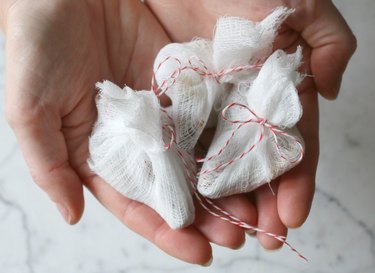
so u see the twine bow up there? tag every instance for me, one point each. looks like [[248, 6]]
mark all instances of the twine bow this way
[[274, 130]]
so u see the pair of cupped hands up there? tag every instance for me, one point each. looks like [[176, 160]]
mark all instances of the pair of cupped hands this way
[[57, 50]]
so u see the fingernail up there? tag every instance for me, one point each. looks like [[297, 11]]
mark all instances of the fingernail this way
[[64, 212], [208, 263]]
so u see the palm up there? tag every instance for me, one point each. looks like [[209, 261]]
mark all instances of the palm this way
[[295, 189], [61, 63], [80, 47], [143, 38]]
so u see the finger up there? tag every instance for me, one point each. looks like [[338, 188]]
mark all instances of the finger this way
[[186, 244], [43, 146], [268, 217], [221, 232], [332, 42], [296, 188]]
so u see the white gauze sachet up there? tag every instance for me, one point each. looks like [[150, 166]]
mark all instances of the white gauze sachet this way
[[273, 97], [192, 94], [127, 150]]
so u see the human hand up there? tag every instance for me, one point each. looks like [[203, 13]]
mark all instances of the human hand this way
[[328, 45], [56, 51]]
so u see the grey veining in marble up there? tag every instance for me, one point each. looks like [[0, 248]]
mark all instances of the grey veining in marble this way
[[339, 235]]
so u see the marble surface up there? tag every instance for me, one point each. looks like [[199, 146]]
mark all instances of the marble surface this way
[[339, 235]]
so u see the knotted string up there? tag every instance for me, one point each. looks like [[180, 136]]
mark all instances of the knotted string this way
[[188, 159], [265, 125]]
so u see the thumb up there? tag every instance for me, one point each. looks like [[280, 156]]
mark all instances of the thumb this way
[[332, 43], [43, 146]]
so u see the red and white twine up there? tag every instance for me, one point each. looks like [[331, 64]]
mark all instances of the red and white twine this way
[[200, 68], [188, 159], [274, 131]]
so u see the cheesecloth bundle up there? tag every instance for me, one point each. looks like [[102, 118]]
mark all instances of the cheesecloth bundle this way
[[191, 94], [127, 150], [259, 125]]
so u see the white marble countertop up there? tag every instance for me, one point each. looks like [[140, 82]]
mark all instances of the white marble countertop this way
[[339, 235]]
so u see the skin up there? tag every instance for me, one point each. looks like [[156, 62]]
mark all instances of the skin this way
[[57, 50], [328, 45]]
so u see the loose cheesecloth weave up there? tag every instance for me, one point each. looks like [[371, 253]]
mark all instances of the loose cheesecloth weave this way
[[233, 83]]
